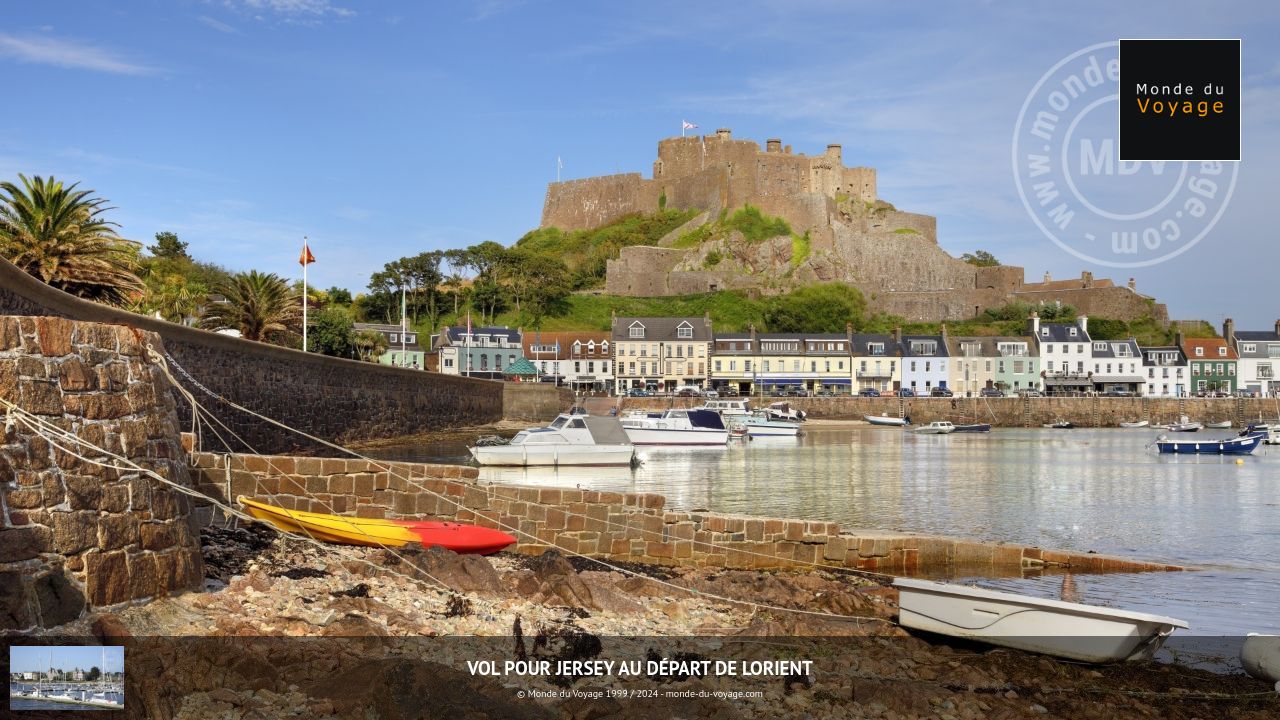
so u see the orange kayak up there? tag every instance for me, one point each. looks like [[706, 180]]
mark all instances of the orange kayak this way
[[380, 532]]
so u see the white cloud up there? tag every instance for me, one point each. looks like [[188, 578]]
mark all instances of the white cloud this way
[[45, 50], [217, 25]]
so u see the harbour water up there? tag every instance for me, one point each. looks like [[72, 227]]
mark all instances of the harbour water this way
[[1087, 490], [98, 695]]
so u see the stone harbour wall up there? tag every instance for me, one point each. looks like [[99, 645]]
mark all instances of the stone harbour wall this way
[[617, 526], [76, 536]]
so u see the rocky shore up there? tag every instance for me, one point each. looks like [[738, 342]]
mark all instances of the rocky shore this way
[[288, 629]]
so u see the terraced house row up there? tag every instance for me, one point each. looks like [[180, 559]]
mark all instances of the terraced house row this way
[[666, 354]]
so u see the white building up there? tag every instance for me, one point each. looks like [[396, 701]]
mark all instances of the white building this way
[[1066, 355]]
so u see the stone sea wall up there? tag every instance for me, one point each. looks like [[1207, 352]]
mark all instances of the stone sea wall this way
[[76, 536], [1012, 412], [616, 526], [336, 399]]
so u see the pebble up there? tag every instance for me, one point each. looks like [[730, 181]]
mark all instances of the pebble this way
[[1039, 709]]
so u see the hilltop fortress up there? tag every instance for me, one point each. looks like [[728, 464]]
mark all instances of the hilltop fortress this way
[[842, 232]]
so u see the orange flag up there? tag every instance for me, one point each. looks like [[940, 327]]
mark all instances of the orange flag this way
[[306, 258]]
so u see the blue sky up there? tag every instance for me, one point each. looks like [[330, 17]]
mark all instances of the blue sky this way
[[29, 658], [383, 129]]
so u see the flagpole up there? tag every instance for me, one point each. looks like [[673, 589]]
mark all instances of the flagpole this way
[[304, 293], [404, 358], [558, 166]]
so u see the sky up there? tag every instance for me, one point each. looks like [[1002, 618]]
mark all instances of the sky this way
[[33, 658], [383, 129]]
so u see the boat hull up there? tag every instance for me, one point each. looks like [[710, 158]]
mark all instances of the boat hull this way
[[380, 532], [553, 455], [973, 428], [1067, 630], [1260, 657], [1133, 425], [885, 420], [670, 436], [1230, 446]]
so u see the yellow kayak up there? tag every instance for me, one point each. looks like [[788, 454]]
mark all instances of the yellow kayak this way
[[380, 532]]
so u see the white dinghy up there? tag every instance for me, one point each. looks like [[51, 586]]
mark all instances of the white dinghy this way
[[1260, 657], [1074, 631]]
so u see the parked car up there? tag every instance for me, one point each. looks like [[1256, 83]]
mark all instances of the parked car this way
[[869, 392], [905, 392], [795, 392], [1030, 393], [688, 391], [991, 392], [823, 393], [711, 394], [638, 392], [940, 392], [729, 392]]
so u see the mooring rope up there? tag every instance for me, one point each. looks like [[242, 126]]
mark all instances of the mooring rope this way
[[604, 563]]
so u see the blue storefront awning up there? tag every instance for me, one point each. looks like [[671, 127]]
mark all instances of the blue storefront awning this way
[[837, 381]]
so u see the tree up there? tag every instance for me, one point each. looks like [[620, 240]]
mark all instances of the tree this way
[[370, 344], [173, 296], [169, 247], [93, 674], [488, 297], [825, 307], [981, 258], [540, 281], [339, 296], [331, 332], [422, 273], [58, 234], [259, 305], [484, 258]]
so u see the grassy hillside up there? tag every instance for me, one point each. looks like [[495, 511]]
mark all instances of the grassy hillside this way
[[585, 252]]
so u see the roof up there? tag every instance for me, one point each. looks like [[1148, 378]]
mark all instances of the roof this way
[[1112, 345], [908, 351], [1148, 349], [860, 341], [989, 344], [456, 334], [563, 342], [1258, 338], [1061, 332], [520, 367], [1210, 346], [391, 330], [662, 328]]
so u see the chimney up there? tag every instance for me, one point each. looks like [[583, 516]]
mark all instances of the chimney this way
[[1083, 323], [943, 330], [1229, 331], [897, 334], [848, 333], [1033, 323], [1047, 277], [773, 145], [786, 150], [1086, 278], [1278, 327], [752, 328], [724, 134], [1177, 338]]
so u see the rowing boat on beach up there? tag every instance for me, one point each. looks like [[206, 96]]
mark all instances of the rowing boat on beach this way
[[379, 532]]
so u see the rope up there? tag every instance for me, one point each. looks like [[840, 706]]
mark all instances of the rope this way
[[45, 430], [391, 470]]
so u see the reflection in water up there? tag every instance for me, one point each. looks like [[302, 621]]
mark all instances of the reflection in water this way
[[1100, 490]]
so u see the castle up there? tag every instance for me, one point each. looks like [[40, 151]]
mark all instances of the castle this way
[[849, 235]]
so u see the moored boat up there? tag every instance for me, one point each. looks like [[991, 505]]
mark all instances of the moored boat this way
[[887, 421], [1219, 425], [1184, 424], [675, 427], [762, 424], [380, 532], [1059, 425], [1135, 424], [937, 427], [1239, 445], [1074, 631], [784, 411], [973, 428], [729, 407], [571, 439]]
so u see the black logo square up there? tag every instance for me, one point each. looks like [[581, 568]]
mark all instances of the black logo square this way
[[1179, 99]]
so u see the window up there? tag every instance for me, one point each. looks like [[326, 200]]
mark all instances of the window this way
[[1222, 352], [1099, 347], [1122, 350], [633, 368], [1231, 368], [1195, 367], [971, 348], [988, 366], [999, 366], [1273, 350], [577, 367], [684, 331], [913, 368], [448, 362], [1264, 371], [733, 365], [637, 330], [1073, 332], [1048, 348], [862, 366], [1017, 366], [1199, 352], [746, 366], [1080, 349], [876, 348], [1249, 348], [924, 347], [766, 366], [717, 366], [411, 339], [1050, 368], [1044, 332], [395, 337]]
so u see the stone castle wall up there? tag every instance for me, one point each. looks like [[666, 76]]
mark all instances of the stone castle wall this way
[[635, 527], [75, 536], [336, 399]]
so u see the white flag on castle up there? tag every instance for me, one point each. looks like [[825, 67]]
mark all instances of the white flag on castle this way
[[686, 125]]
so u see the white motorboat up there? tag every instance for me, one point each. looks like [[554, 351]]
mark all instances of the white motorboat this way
[[784, 411], [728, 408], [675, 427], [886, 420], [1219, 425], [1074, 631], [1270, 433], [571, 439], [1184, 424], [1135, 424], [937, 427], [761, 424]]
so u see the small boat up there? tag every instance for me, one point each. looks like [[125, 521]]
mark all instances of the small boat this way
[[675, 427], [1219, 425], [887, 421], [973, 428], [1074, 631], [728, 408], [1184, 424], [1059, 425], [1270, 433], [1260, 657], [1239, 445], [571, 439], [1135, 424], [937, 427], [784, 411], [762, 424], [379, 532]]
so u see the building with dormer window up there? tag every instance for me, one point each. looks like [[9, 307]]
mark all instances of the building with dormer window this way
[[1213, 365], [660, 354], [1259, 358], [1167, 371], [754, 363], [1066, 355], [579, 360], [924, 361], [403, 348], [482, 352]]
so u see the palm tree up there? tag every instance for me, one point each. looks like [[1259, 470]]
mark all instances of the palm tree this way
[[370, 344], [454, 284], [57, 233], [256, 304]]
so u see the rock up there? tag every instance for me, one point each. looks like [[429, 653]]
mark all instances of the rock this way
[[24, 543], [107, 578], [461, 573], [59, 600], [110, 628], [15, 606]]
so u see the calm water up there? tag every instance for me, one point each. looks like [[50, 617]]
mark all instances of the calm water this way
[[1099, 490], [18, 703]]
